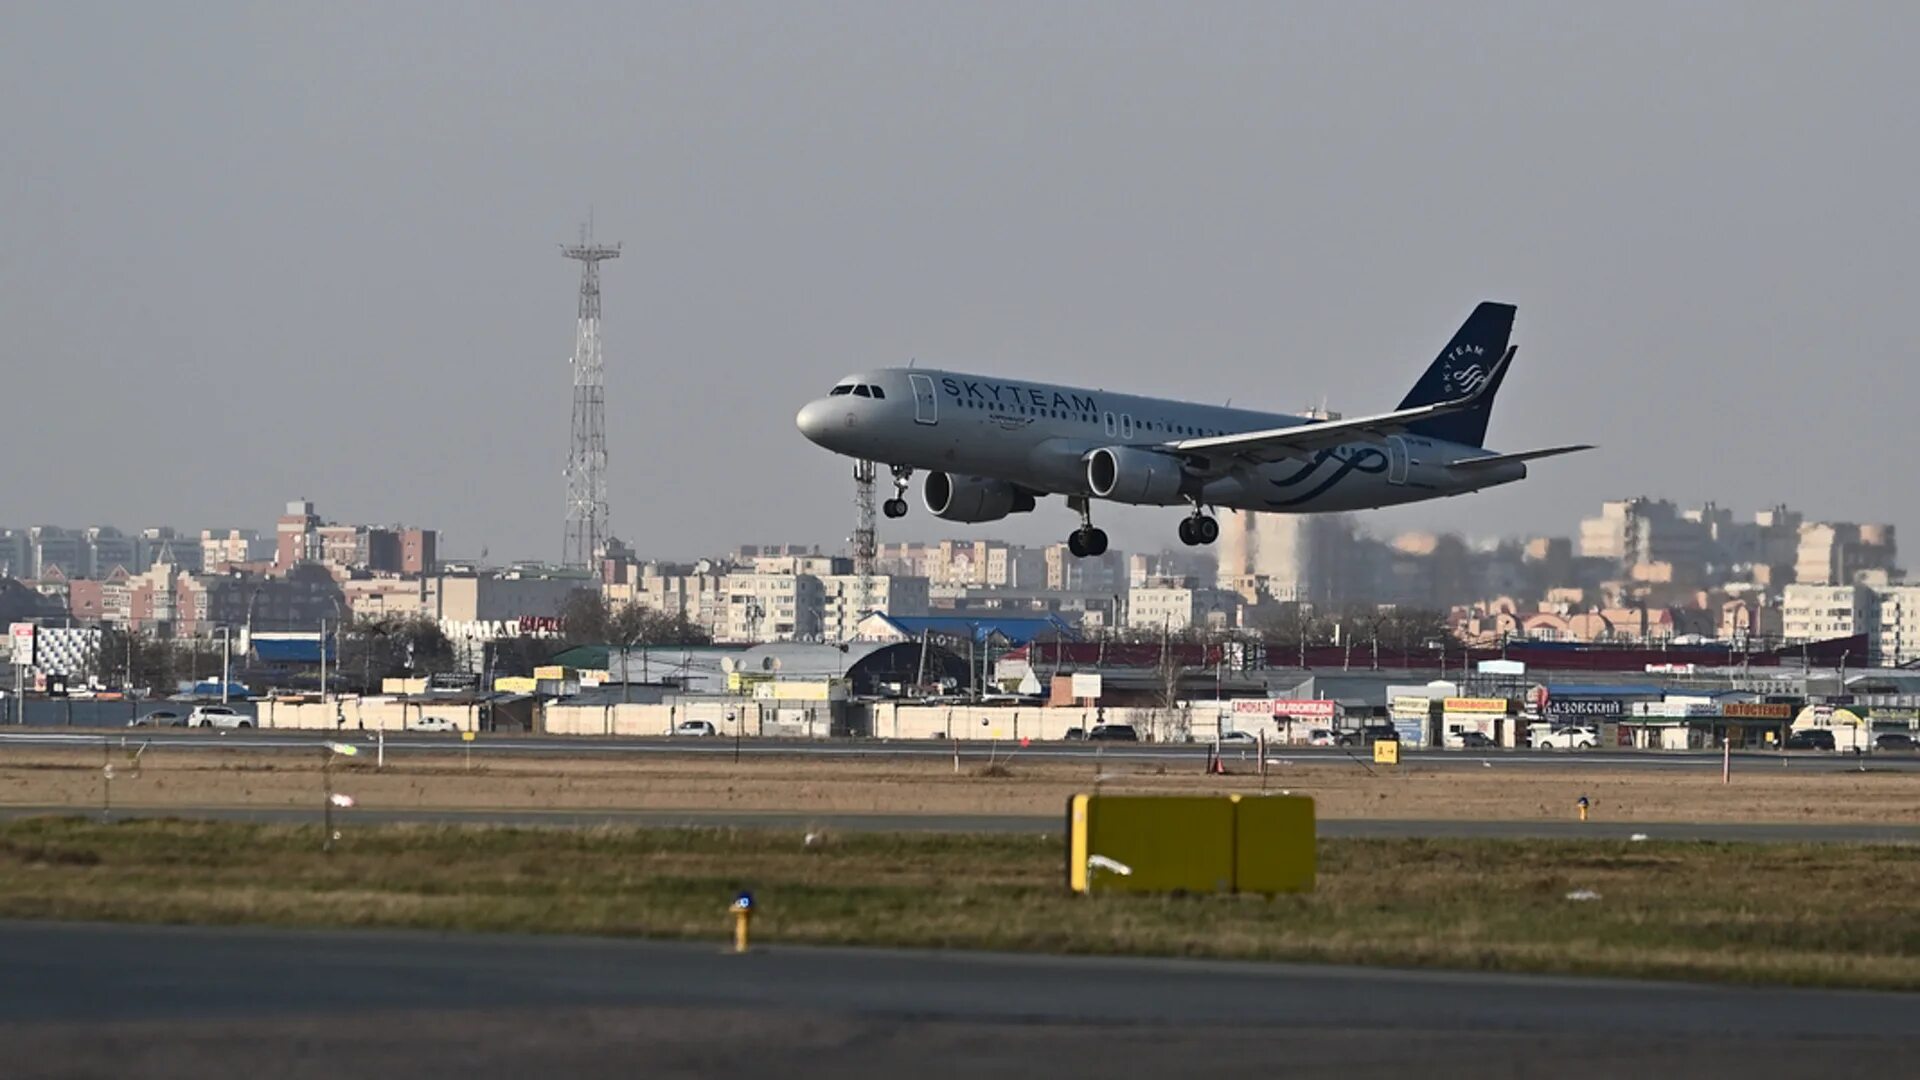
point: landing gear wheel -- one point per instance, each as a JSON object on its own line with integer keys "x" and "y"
{"x": 1186, "y": 532}
{"x": 894, "y": 508}
{"x": 1206, "y": 530}
{"x": 1087, "y": 541}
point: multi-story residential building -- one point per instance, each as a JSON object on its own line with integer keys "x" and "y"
{"x": 51, "y": 548}
{"x": 1837, "y": 553}
{"x": 15, "y": 554}
{"x": 1175, "y": 605}
{"x": 1899, "y": 625}
{"x": 772, "y": 607}
{"x": 1105, "y": 574}
{"x": 1817, "y": 612}
{"x": 227, "y": 549}
{"x": 888, "y": 594}
{"x": 300, "y": 536}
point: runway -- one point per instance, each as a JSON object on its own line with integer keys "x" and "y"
{"x": 1329, "y": 828}
{"x": 694, "y": 748}
{"x": 83, "y": 999}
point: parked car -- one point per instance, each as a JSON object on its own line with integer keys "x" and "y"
{"x": 1113, "y": 733}
{"x": 1238, "y": 738}
{"x": 1476, "y": 740}
{"x": 1320, "y": 737}
{"x": 159, "y": 718}
{"x": 1367, "y": 736}
{"x": 1810, "y": 739}
{"x": 694, "y": 727}
{"x": 218, "y": 716}
{"x": 435, "y": 723}
{"x": 1568, "y": 738}
{"x": 1074, "y": 734}
{"x": 1893, "y": 740}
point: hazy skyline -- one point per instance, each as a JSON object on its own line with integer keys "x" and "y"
{"x": 254, "y": 254}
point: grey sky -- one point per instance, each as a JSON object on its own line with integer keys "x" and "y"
{"x": 249, "y": 254}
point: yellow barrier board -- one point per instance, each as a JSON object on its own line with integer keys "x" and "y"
{"x": 1150, "y": 843}
{"x": 1190, "y": 843}
{"x": 1386, "y": 752}
{"x": 1274, "y": 844}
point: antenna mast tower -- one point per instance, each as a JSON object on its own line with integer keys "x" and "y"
{"x": 587, "y": 527}
{"x": 864, "y": 548}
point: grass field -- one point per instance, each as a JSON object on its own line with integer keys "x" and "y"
{"x": 1811, "y": 915}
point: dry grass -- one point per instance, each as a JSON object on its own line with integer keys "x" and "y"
{"x": 1011, "y": 785}
{"x": 1817, "y": 915}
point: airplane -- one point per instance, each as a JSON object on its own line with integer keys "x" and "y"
{"x": 992, "y": 447}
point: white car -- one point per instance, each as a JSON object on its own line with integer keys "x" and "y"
{"x": 694, "y": 727}
{"x": 434, "y": 723}
{"x": 218, "y": 716}
{"x": 1571, "y": 738}
{"x": 1238, "y": 738}
{"x": 1321, "y": 737}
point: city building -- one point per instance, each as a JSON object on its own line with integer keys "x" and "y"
{"x": 1819, "y": 612}
{"x": 1175, "y": 605}
{"x": 772, "y": 607}
{"x": 1837, "y": 553}
{"x": 887, "y": 594}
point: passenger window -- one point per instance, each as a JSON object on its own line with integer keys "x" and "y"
{"x": 861, "y": 391}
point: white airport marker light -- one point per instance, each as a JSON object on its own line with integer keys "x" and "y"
{"x": 344, "y": 802}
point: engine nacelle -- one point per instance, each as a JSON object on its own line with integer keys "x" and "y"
{"x": 1124, "y": 474}
{"x": 972, "y": 498}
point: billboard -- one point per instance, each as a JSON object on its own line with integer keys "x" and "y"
{"x": 1476, "y": 705}
{"x": 1409, "y": 706}
{"x": 1756, "y": 710}
{"x": 1584, "y": 708}
{"x": 1086, "y": 684}
{"x": 23, "y": 637}
{"x": 1298, "y": 708}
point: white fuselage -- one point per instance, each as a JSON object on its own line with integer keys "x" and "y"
{"x": 1039, "y": 436}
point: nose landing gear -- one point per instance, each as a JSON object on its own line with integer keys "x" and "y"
{"x": 896, "y": 507}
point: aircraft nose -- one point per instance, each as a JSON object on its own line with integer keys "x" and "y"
{"x": 813, "y": 419}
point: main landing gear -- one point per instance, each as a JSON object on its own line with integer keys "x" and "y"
{"x": 1198, "y": 529}
{"x": 896, "y": 507}
{"x": 1086, "y": 540}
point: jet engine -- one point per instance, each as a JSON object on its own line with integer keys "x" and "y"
{"x": 1128, "y": 475}
{"x": 973, "y": 498}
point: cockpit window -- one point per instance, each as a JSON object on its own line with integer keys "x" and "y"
{"x": 862, "y": 391}
{"x": 845, "y": 388}
{"x": 879, "y": 393}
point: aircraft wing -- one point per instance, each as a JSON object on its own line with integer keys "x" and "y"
{"x": 1276, "y": 444}
{"x": 1490, "y": 460}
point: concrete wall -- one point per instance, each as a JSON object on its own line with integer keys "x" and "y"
{"x": 563, "y": 718}
{"x": 889, "y": 721}
{"x": 369, "y": 714}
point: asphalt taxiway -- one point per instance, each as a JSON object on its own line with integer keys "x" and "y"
{"x": 87, "y": 999}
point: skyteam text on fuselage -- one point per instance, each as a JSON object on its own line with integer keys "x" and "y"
{"x": 995, "y": 446}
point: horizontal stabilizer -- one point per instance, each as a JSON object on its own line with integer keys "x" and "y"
{"x": 1525, "y": 455}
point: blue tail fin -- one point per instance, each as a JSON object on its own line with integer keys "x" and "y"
{"x": 1466, "y": 362}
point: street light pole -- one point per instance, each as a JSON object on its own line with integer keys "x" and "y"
{"x": 226, "y": 662}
